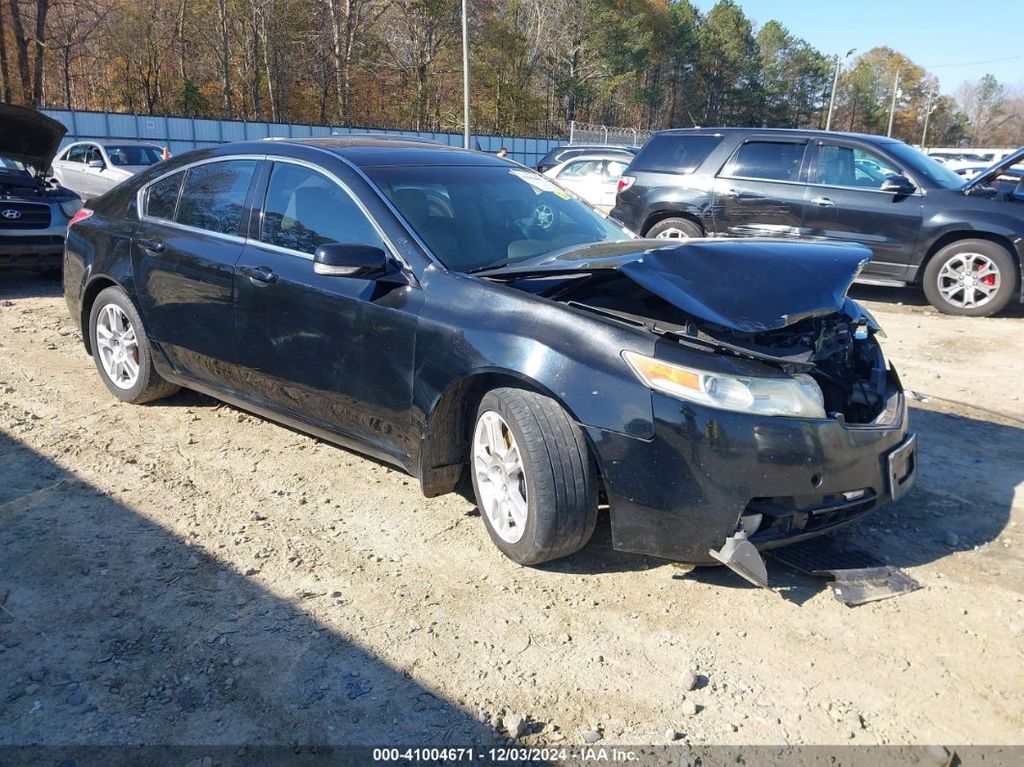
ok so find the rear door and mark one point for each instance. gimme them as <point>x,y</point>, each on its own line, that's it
<point>761,189</point>
<point>188,242</point>
<point>335,352</point>
<point>846,204</point>
<point>71,167</point>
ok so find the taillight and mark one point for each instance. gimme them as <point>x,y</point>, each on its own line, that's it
<point>81,215</point>
<point>625,182</point>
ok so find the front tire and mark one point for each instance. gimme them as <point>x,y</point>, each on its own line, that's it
<point>534,478</point>
<point>675,229</point>
<point>971,278</point>
<point>120,348</point>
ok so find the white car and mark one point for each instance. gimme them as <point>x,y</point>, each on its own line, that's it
<point>92,168</point>
<point>594,177</point>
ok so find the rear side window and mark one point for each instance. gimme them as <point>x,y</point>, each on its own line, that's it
<point>213,195</point>
<point>768,160</point>
<point>162,197</point>
<point>675,154</point>
<point>77,153</point>
<point>305,209</point>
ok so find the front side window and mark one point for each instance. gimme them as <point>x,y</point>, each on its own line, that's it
<point>767,160</point>
<point>93,153</point>
<point>77,153</point>
<point>305,209</point>
<point>162,197</point>
<point>838,165</point>
<point>213,195</point>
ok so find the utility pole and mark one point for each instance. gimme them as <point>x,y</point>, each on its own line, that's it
<point>465,77</point>
<point>835,86</point>
<point>892,109</point>
<point>927,114</point>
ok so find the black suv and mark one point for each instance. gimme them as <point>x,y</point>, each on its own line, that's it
<point>962,242</point>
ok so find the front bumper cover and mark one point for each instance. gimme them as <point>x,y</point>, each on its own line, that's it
<point>682,493</point>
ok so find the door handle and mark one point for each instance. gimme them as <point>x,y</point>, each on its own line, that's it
<point>731,193</point>
<point>262,274</point>
<point>153,246</point>
<point>823,202</point>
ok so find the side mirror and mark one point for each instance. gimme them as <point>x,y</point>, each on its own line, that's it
<point>898,185</point>
<point>343,259</point>
<point>98,164</point>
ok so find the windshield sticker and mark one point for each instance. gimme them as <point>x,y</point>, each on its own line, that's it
<point>539,183</point>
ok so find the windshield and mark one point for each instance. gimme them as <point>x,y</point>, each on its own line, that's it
<point>923,165</point>
<point>477,217</point>
<point>132,154</point>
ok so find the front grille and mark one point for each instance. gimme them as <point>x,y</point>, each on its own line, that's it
<point>24,215</point>
<point>786,517</point>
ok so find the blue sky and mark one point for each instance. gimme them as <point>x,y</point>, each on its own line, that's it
<point>953,39</point>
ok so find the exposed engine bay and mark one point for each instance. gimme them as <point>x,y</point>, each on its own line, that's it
<point>809,328</point>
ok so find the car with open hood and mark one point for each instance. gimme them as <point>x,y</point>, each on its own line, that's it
<point>925,225</point>
<point>477,325</point>
<point>34,209</point>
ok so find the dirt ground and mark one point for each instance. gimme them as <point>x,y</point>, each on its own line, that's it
<point>187,573</point>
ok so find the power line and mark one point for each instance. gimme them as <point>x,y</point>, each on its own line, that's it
<point>973,63</point>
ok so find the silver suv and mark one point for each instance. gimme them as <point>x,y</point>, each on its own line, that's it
<point>34,210</point>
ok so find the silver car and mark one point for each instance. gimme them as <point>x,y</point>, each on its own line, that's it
<point>92,168</point>
<point>593,176</point>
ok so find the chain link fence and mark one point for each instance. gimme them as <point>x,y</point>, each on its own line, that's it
<point>584,133</point>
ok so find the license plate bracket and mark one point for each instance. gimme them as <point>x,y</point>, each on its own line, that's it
<point>903,467</point>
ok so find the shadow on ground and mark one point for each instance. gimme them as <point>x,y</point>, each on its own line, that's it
<point>116,631</point>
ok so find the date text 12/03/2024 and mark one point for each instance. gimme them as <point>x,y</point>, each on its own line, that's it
<point>504,754</point>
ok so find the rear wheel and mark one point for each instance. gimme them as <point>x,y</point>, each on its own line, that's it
<point>675,229</point>
<point>973,278</point>
<point>533,476</point>
<point>120,348</point>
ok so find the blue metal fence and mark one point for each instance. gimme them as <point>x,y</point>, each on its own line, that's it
<point>181,134</point>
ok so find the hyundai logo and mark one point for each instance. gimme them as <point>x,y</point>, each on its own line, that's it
<point>11,213</point>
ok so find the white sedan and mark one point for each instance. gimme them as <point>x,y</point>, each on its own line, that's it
<point>594,177</point>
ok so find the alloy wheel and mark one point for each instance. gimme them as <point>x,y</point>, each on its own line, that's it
<point>500,477</point>
<point>672,233</point>
<point>117,346</point>
<point>969,280</point>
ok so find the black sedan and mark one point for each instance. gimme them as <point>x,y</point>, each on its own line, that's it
<point>453,315</point>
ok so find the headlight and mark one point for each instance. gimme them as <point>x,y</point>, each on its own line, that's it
<point>796,395</point>
<point>71,207</point>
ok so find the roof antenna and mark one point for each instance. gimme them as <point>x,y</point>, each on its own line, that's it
<point>691,119</point>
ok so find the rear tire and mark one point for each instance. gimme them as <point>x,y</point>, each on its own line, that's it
<point>675,229</point>
<point>971,278</point>
<point>121,351</point>
<point>534,478</point>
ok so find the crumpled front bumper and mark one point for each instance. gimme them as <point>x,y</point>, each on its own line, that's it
<point>682,493</point>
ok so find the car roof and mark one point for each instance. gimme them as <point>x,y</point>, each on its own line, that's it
<point>370,150</point>
<point>794,132</point>
<point>594,155</point>
<point>115,142</point>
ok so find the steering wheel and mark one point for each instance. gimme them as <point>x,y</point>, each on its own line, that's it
<point>543,216</point>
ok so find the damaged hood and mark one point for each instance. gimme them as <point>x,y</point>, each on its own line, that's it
<point>747,285</point>
<point>29,136</point>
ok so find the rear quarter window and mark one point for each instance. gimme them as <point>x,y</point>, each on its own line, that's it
<point>675,154</point>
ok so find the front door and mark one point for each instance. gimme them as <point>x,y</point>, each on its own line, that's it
<point>335,352</point>
<point>185,250</point>
<point>760,192</point>
<point>846,204</point>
